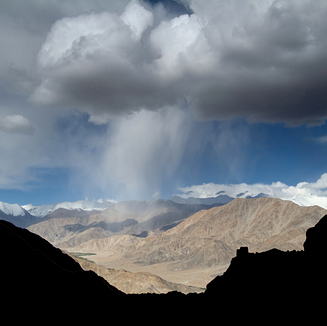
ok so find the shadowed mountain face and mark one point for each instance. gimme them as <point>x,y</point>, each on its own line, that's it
<point>34,272</point>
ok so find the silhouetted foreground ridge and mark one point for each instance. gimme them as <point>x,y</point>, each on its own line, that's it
<point>35,275</point>
<point>275,278</point>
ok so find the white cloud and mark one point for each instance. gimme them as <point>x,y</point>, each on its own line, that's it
<point>304,193</point>
<point>137,18</point>
<point>73,39</point>
<point>16,124</point>
<point>183,48</point>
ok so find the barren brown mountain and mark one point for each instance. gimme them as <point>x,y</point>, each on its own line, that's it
<point>202,246</point>
<point>137,218</point>
<point>211,237</point>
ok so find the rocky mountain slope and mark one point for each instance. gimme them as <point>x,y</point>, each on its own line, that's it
<point>138,218</point>
<point>211,237</point>
<point>205,243</point>
<point>169,239</point>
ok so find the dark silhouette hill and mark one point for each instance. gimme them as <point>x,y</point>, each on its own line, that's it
<point>36,274</point>
<point>295,280</point>
<point>274,285</point>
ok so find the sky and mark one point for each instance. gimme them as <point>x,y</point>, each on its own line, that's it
<point>143,99</point>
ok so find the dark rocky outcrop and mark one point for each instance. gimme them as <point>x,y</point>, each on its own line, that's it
<point>271,286</point>
<point>34,274</point>
<point>294,280</point>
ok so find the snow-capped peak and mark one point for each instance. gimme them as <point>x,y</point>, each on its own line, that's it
<point>84,205</point>
<point>12,209</point>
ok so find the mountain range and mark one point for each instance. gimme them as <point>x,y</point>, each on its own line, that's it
<point>70,224</point>
<point>29,214</point>
<point>202,245</point>
<point>85,205</point>
<point>139,219</point>
<point>100,205</point>
<point>175,242</point>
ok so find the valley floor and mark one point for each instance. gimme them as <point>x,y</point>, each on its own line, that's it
<point>195,277</point>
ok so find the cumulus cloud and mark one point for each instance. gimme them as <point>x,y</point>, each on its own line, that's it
<point>183,48</point>
<point>137,18</point>
<point>264,60</point>
<point>94,62</point>
<point>304,193</point>
<point>16,124</point>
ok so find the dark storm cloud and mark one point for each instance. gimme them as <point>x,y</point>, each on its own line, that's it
<point>273,65</point>
<point>265,60</point>
<point>143,70</point>
<point>105,63</point>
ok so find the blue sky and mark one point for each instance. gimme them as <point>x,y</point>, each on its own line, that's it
<point>145,99</point>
